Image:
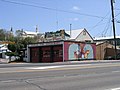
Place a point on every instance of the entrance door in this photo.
(58, 53)
(34, 57)
(46, 54)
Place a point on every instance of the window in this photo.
(87, 41)
(84, 32)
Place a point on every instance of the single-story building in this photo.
(60, 51)
(105, 47)
(71, 45)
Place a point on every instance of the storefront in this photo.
(60, 51)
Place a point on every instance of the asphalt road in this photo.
(62, 76)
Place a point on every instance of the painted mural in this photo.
(79, 51)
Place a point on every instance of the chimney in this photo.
(36, 28)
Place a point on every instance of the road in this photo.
(61, 76)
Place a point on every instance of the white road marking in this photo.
(46, 67)
(51, 67)
(115, 88)
(8, 81)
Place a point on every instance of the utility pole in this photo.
(113, 22)
(70, 30)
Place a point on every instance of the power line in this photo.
(104, 31)
(97, 24)
(52, 9)
(107, 27)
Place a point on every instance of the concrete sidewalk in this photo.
(71, 62)
(6, 61)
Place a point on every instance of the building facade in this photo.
(63, 46)
(105, 47)
(60, 51)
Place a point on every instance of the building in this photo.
(105, 47)
(74, 35)
(60, 46)
(3, 50)
(55, 36)
(29, 34)
(109, 40)
(104, 50)
(80, 35)
(60, 51)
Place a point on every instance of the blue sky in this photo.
(52, 15)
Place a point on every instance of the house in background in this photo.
(3, 50)
(74, 35)
(60, 47)
(29, 34)
(55, 36)
(80, 35)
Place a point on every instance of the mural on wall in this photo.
(80, 51)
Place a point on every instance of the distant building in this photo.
(29, 34)
(109, 40)
(75, 35)
(80, 35)
(55, 36)
(3, 50)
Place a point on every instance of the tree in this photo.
(2, 34)
(12, 47)
(19, 45)
(27, 41)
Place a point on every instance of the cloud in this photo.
(75, 8)
(74, 19)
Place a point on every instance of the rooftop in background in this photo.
(74, 33)
(31, 33)
(105, 38)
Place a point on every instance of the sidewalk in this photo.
(5, 61)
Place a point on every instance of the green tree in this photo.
(2, 34)
(27, 41)
(12, 47)
(19, 45)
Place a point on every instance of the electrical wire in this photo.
(105, 30)
(52, 9)
(100, 21)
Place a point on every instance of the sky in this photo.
(53, 15)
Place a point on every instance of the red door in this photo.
(46, 54)
(34, 54)
(58, 53)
